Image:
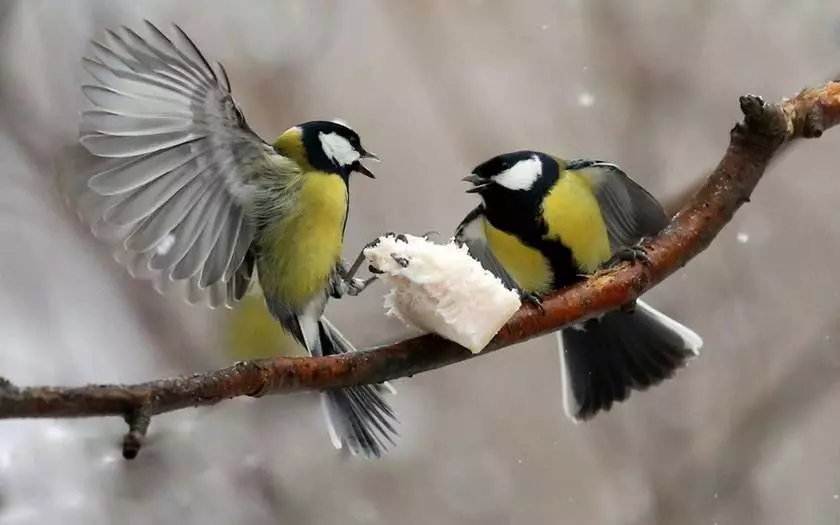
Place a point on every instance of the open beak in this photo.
(369, 155)
(361, 168)
(478, 183)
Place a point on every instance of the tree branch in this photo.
(753, 143)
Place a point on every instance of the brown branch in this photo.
(766, 128)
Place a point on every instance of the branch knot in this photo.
(762, 117)
(813, 126)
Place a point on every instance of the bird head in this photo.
(333, 146)
(519, 171)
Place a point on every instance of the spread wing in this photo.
(471, 233)
(629, 211)
(174, 150)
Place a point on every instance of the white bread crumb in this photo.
(442, 290)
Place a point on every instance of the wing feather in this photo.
(629, 211)
(187, 231)
(220, 257)
(214, 218)
(173, 181)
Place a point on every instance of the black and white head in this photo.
(334, 146)
(518, 173)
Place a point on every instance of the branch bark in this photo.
(753, 144)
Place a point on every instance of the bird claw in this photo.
(372, 244)
(534, 300)
(355, 286)
(635, 253)
(398, 236)
(375, 242)
(338, 289)
(399, 259)
(401, 237)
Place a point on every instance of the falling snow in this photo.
(586, 99)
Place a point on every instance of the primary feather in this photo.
(183, 151)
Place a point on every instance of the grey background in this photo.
(747, 434)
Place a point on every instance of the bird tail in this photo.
(358, 417)
(605, 358)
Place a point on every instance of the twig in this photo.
(138, 423)
(752, 145)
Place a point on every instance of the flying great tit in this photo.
(544, 224)
(191, 197)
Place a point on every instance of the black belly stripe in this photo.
(518, 213)
(564, 269)
(530, 232)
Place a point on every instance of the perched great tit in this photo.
(191, 196)
(544, 224)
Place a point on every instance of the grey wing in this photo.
(629, 211)
(471, 234)
(172, 185)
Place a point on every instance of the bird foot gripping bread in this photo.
(441, 289)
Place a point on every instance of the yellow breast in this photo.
(526, 265)
(301, 252)
(573, 217)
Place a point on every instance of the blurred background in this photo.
(746, 434)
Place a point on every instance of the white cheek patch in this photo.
(522, 175)
(338, 148)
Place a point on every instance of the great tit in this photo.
(190, 196)
(544, 224)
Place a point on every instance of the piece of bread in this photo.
(439, 288)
